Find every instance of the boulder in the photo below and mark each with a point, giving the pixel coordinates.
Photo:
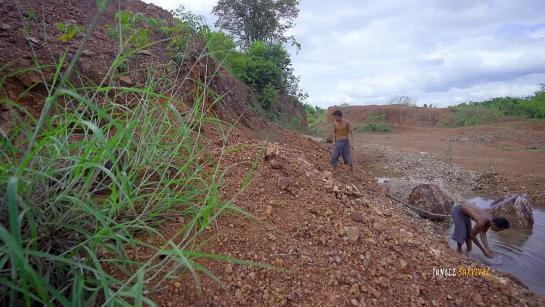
(33, 41)
(431, 198)
(356, 217)
(5, 27)
(88, 53)
(271, 151)
(144, 52)
(126, 81)
(516, 209)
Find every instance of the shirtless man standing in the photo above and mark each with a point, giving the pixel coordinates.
(462, 216)
(342, 131)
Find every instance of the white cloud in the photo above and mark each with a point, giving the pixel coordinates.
(441, 52)
(199, 7)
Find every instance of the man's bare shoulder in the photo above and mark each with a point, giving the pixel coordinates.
(468, 206)
(473, 211)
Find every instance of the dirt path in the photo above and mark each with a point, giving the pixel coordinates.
(334, 241)
(492, 159)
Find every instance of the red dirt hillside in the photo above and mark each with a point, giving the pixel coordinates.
(338, 240)
(19, 48)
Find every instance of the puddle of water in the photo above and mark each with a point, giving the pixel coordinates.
(517, 251)
(381, 180)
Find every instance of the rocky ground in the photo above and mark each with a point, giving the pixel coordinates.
(493, 160)
(333, 240)
(401, 172)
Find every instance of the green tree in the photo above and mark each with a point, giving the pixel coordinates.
(194, 21)
(259, 72)
(271, 52)
(250, 21)
(269, 95)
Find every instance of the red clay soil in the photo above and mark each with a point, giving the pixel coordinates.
(333, 245)
(510, 156)
(40, 43)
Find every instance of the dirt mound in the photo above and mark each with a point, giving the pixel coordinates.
(27, 39)
(334, 240)
(292, 111)
(399, 116)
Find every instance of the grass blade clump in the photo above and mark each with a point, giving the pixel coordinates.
(82, 186)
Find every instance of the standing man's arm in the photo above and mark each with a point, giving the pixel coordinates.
(334, 134)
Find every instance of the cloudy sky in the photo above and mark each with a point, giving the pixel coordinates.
(439, 52)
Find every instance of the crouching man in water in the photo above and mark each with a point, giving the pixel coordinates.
(462, 216)
(341, 133)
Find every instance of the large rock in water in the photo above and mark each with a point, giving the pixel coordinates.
(516, 209)
(431, 198)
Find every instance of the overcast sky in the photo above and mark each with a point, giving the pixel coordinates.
(439, 52)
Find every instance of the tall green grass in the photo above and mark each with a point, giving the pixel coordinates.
(102, 168)
(470, 115)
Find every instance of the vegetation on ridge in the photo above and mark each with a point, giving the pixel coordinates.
(263, 63)
(495, 109)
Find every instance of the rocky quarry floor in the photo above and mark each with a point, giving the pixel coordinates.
(401, 172)
(329, 239)
(493, 160)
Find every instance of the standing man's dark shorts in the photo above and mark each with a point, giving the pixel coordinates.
(342, 148)
(462, 225)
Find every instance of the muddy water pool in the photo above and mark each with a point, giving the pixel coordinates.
(516, 251)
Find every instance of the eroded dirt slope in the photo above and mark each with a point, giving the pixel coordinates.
(29, 38)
